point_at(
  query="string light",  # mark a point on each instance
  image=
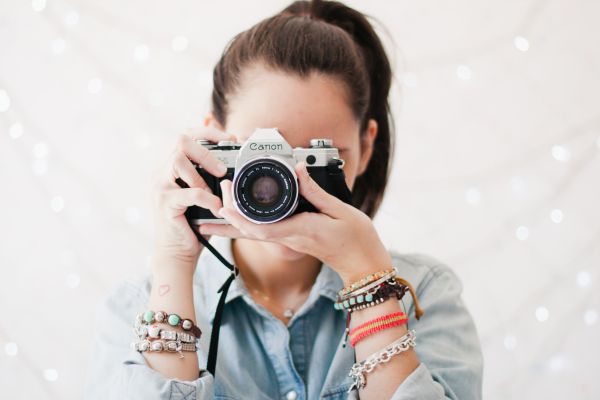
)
(95, 85)
(38, 5)
(58, 204)
(72, 280)
(556, 216)
(510, 342)
(72, 18)
(16, 130)
(4, 101)
(521, 43)
(590, 317)
(59, 46)
(40, 150)
(542, 314)
(51, 375)
(141, 52)
(583, 278)
(561, 153)
(473, 196)
(463, 72)
(11, 349)
(522, 232)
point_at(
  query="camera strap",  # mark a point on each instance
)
(214, 334)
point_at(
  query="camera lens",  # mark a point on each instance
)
(265, 190)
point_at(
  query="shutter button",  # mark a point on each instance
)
(291, 395)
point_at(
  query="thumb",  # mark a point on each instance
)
(316, 195)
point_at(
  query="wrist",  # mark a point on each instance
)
(164, 263)
(375, 264)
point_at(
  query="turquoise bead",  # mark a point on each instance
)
(174, 319)
(369, 297)
(336, 306)
(352, 301)
(346, 305)
(149, 316)
(360, 298)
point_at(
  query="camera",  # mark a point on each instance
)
(265, 187)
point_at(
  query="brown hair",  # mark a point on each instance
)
(331, 38)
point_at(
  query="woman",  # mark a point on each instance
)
(314, 70)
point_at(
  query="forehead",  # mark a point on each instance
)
(302, 108)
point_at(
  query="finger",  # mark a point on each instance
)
(316, 195)
(220, 230)
(183, 168)
(209, 133)
(201, 156)
(176, 201)
(226, 192)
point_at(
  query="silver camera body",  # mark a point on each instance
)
(265, 187)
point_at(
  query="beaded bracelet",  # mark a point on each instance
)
(376, 325)
(144, 331)
(365, 281)
(159, 345)
(150, 317)
(373, 296)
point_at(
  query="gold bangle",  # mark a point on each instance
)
(365, 281)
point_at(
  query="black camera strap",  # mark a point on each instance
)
(214, 334)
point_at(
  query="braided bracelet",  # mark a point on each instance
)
(159, 345)
(376, 296)
(376, 325)
(359, 370)
(144, 331)
(150, 317)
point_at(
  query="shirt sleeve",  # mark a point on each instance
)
(447, 344)
(116, 371)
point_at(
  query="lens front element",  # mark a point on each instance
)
(265, 190)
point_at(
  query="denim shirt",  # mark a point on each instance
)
(260, 357)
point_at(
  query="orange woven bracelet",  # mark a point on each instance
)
(385, 318)
(360, 336)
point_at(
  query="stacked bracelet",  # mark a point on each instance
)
(376, 325)
(163, 345)
(150, 317)
(365, 281)
(372, 296)
(359, 370)
(144, 331)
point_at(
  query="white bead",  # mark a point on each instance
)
(154, 331)
(187, 324)
(157, 346)
(160, 316)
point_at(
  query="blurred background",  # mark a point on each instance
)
(497, 170)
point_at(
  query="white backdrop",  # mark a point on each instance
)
(497, 171)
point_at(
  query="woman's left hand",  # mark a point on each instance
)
(339, 234)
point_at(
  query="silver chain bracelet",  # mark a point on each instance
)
(359, 370)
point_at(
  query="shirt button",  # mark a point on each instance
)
(291, 395)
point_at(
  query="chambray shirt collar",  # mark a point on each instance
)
(210, 275)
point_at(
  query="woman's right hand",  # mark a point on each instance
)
(174, 237)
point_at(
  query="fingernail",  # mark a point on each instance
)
(222, 168)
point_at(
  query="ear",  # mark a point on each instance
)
(366, 146)
(211, 120)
